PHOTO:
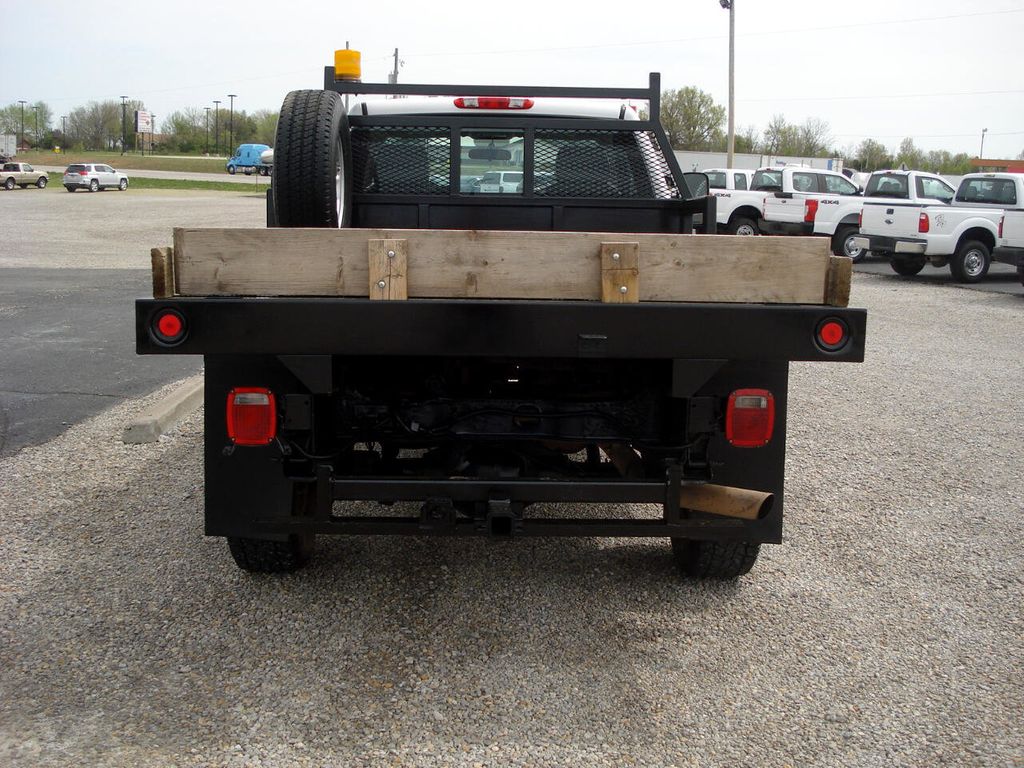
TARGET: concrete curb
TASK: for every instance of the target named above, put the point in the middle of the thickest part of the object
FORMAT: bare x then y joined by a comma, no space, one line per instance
158,418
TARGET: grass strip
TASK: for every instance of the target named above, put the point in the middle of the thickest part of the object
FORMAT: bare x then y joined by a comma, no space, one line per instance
140,182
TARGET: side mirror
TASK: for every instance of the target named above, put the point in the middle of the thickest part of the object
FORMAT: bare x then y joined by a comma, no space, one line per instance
697,184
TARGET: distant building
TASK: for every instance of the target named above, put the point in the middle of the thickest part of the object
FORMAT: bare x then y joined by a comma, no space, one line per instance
980,165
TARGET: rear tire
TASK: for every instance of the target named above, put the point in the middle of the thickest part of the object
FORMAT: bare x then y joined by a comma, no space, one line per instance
312,176
741,225
907,266
841,245
714,559
9,184
971,261
94,186
69,188
264,556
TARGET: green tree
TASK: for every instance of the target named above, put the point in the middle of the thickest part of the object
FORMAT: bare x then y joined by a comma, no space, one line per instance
910,155
691,118
872,155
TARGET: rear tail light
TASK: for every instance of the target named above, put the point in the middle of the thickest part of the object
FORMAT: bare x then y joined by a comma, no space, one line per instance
832,334
810,209
750,418
251,416
492,102
860,219
169,326
83,173
1001,220
923,224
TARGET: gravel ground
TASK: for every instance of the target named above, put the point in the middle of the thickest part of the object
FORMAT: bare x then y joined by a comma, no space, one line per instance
886,631
111,230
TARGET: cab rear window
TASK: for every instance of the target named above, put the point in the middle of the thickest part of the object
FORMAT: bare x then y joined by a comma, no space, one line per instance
998,191
767,180
888,185
716,180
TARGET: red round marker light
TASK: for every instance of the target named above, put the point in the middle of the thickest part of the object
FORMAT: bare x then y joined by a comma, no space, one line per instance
832,333
169,327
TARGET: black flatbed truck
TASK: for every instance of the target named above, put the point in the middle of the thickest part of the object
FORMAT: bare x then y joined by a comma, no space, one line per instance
478,408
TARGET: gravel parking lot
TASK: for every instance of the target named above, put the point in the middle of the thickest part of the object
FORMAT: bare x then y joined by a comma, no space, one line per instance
886,631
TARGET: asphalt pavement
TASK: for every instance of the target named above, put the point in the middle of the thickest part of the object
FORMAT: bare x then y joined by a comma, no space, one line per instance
71,267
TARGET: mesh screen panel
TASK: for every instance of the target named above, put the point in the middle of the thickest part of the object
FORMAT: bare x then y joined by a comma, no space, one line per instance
602,164
401,161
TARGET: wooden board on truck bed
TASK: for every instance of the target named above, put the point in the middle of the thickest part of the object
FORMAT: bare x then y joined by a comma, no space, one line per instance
477,264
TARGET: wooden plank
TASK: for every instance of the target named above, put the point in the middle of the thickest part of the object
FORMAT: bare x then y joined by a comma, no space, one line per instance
620,273
163,272
837,281
387,269
497,264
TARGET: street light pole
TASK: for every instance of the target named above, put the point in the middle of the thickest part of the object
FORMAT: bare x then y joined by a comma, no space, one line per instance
981,152
731,6
124,122
64,131
36,109
216,126
231,129
23,103
207,150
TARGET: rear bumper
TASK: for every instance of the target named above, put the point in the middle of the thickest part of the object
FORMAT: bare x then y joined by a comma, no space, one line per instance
879,244
786,227
507,329
1007,255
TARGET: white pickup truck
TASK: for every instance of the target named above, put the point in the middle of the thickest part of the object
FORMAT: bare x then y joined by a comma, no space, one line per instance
1010,245
839,218
961,235
797,195
738,209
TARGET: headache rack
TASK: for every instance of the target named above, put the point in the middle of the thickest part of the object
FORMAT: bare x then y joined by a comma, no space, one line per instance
578,174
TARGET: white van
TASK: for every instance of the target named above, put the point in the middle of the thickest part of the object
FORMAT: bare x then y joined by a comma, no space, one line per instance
501,182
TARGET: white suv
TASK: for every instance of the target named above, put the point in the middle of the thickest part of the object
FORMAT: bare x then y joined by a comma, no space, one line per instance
94,177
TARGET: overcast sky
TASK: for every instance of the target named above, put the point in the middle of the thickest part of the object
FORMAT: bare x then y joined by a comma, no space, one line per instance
939,71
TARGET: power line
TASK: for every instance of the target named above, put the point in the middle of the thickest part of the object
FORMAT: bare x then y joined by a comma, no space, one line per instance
674,41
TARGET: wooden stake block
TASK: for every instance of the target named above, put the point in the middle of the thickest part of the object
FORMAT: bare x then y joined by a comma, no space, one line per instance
620,273
837,281
163,272
388,267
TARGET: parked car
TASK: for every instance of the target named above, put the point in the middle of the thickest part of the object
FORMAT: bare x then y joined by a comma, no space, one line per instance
502,182
22,175
94,177
729,178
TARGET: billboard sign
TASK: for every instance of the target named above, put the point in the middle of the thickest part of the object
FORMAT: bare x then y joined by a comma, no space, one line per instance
143,122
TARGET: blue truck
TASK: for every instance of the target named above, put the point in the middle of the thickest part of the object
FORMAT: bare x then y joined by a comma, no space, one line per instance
247,160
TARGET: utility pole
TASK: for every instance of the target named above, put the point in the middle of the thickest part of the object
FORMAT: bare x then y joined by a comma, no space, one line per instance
124,122
216,126
23,103
36,109
393,76
64,131
731,150
207,150
981,152
231,129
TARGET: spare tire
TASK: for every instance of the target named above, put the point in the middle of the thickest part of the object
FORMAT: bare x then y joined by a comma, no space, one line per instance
312,177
